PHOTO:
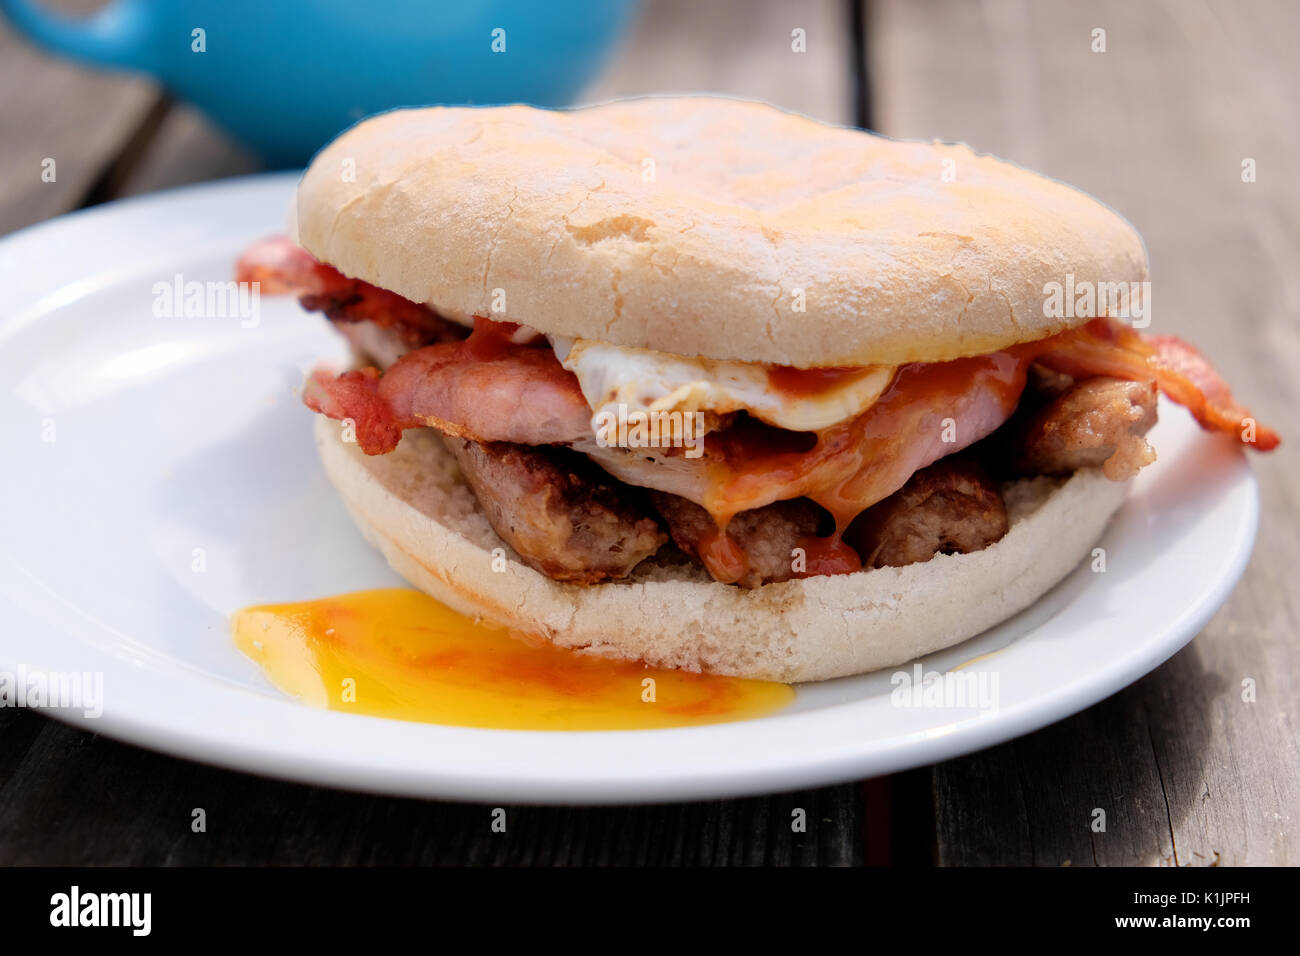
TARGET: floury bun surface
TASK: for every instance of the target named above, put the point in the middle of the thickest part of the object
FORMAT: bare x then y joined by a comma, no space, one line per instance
413,505
702,226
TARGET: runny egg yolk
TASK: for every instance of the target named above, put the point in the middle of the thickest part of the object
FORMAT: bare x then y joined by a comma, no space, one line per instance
399,653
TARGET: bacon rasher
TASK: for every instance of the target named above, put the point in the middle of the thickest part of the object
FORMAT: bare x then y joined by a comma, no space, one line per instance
1107,347
282,267
507,393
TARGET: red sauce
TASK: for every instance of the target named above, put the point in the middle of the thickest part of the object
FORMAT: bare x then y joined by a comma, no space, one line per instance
745,436
853,465
722,556
828,556
805,382
857,463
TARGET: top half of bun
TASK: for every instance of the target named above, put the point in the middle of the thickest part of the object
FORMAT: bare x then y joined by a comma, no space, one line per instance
707,226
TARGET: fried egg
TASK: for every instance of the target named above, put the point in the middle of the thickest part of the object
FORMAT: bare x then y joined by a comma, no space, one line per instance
647,381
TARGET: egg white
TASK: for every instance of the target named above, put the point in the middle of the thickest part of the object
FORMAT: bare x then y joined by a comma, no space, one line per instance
643,380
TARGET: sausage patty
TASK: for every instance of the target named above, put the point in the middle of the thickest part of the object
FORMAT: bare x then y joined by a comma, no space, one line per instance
1098,421
761,540
563,516
951,507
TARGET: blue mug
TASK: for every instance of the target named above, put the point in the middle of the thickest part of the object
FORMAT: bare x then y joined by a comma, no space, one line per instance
285,76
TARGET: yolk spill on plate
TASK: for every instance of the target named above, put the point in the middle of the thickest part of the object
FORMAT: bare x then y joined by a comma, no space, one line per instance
399,653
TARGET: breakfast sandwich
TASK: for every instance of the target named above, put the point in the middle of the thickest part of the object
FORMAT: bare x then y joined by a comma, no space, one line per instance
702,383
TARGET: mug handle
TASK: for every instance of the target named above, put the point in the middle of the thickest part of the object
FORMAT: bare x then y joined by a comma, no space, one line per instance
114,36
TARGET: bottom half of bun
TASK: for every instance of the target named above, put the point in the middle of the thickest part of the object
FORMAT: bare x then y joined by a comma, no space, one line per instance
413,506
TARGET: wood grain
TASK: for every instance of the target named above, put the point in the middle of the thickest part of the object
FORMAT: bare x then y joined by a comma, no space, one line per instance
740,49
81,119
72,798
1157,126
186,148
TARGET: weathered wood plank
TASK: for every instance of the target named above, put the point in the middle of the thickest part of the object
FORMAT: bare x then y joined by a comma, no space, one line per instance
186,148
1158,127
739,49
71,798
53,110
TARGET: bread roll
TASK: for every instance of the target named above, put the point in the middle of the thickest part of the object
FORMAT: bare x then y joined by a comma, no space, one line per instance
707,226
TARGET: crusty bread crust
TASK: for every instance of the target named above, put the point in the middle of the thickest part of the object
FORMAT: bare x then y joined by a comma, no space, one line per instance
701,225
412,505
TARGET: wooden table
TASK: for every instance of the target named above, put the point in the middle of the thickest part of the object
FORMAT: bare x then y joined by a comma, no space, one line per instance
1157,126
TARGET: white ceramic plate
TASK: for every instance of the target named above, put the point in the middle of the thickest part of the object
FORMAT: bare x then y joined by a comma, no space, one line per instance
176,434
